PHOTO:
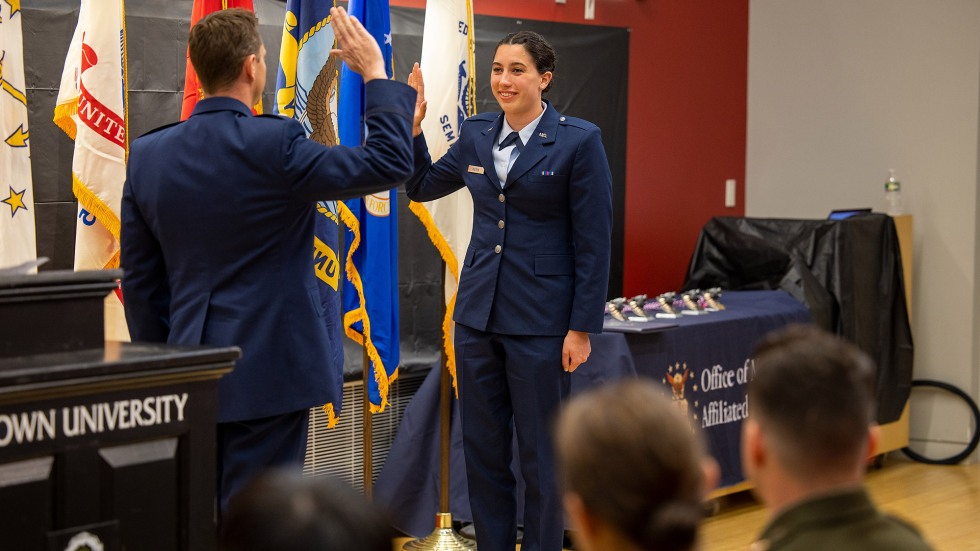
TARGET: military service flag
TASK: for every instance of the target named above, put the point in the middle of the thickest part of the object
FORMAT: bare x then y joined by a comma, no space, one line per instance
450,85
371,289
306,90
91,109
17,234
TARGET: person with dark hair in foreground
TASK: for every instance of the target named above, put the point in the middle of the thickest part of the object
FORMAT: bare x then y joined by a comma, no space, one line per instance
286,511
634,471
806,443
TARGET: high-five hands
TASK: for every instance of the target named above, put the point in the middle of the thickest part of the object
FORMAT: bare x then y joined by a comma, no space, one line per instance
415,81
356,46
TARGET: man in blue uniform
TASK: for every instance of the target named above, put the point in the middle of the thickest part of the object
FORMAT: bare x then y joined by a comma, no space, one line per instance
217,234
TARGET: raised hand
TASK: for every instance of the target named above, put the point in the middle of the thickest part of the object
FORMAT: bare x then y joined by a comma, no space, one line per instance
415,81
356,46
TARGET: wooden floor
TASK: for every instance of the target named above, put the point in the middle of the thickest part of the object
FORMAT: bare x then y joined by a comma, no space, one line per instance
943,502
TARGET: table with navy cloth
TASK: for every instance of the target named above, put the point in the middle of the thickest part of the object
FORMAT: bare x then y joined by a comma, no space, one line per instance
714,349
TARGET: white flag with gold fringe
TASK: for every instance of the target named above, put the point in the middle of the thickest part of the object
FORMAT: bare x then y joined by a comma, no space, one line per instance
17,232
450,89
91,109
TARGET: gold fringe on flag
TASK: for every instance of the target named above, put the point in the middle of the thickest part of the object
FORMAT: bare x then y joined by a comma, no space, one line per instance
446,252
332,418
63,114
360,314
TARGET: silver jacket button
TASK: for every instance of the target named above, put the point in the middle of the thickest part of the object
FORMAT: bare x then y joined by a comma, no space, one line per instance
497,249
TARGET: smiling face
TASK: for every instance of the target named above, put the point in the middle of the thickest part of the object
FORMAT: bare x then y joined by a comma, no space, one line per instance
517,84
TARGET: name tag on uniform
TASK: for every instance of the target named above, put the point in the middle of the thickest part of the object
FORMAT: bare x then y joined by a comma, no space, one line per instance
475,169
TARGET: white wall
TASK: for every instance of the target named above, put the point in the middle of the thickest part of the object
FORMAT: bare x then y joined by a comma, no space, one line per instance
839,92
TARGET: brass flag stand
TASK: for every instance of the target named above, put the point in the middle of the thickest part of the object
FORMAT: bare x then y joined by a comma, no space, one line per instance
444,537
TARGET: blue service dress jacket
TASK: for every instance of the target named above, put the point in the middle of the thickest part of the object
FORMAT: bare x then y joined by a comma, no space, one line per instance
217,240
538,258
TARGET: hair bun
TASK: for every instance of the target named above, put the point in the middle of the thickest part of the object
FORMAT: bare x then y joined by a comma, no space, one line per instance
673,527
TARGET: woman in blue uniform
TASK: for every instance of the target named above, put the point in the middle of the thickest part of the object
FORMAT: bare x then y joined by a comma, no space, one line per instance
532,287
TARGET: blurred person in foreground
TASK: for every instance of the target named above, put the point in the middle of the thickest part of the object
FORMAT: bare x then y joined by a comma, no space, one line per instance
282,510
806,443
218,229
633,469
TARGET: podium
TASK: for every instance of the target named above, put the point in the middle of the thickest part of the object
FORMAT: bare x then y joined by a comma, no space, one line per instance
106,447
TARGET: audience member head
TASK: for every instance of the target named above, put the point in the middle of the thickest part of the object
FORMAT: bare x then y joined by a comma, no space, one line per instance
811,401
282,510
634,471
224,44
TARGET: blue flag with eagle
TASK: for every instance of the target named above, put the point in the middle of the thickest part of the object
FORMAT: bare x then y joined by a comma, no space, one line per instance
306,90
370,292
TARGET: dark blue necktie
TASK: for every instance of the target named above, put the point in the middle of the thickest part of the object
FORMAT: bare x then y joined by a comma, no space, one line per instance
512,139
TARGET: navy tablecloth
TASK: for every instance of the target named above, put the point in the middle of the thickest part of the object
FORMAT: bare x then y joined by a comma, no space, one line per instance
714,349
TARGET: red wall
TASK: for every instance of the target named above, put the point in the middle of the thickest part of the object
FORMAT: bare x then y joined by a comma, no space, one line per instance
686,128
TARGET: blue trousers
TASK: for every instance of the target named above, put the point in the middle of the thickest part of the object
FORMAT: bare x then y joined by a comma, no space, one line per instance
247,448
508,383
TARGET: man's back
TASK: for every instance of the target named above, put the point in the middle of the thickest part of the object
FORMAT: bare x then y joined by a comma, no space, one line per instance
218,239
222,206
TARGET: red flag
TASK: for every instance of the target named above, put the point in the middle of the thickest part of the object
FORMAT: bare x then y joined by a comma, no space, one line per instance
192,87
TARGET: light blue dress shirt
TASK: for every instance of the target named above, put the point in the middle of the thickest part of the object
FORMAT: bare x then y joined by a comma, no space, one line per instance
504,158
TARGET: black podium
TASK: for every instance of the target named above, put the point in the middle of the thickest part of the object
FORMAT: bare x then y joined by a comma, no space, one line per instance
107,447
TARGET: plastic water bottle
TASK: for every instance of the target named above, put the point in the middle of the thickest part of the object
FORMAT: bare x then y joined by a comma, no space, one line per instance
893,194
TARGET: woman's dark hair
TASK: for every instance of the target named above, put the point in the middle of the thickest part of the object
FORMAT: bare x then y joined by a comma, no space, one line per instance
635,462
537,47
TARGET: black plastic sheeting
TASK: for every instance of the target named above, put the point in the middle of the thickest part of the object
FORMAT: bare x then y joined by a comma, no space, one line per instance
847,272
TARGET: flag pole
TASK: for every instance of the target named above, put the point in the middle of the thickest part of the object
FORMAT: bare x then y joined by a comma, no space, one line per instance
444,537
368,449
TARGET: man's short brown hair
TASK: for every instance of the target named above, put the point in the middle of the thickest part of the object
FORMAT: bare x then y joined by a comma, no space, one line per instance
218,45
813,394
